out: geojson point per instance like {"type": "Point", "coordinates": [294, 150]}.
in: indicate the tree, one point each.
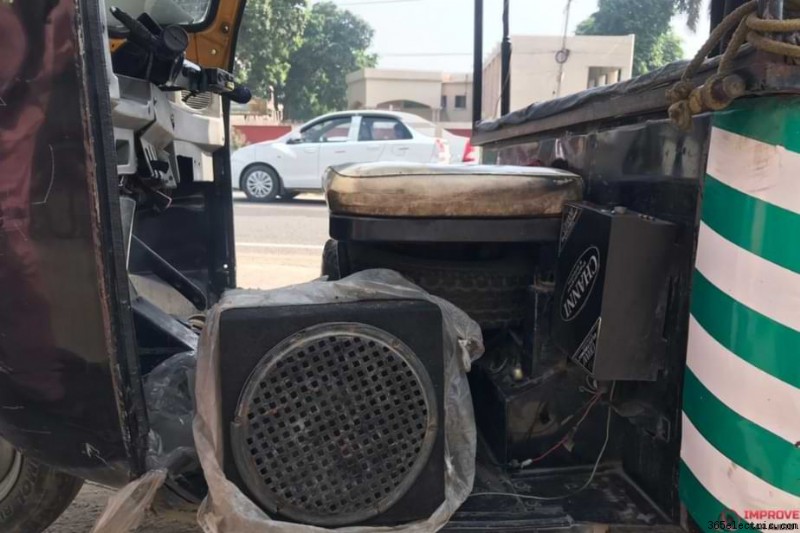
{"type": "Point", "coordinates": [334, 44]}
{"type": "Point", "coordinates": [656, 44]}
{"type": "Point", "coordinates": [666, 50]}
{"type": "Point", "coordinates": [271, 31]}
{"type": "Point", "coordinates": [692, 10]}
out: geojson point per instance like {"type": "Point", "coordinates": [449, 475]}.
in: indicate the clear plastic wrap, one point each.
{"type": "Point", "coordinates": [229, 510]}
{"type": "Point", "coordinates": [171, 407]}
{"type": "Point", "coordinates": [169, 395]}
{"type": "Point", "coordinates": [125, 510]}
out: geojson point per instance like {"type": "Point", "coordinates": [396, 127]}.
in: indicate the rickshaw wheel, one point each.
{"type": "Point", "coordinates": [32, 495]}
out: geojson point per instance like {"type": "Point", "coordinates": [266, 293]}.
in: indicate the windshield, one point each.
{"type": "Point", "coordinates": [165, 12]}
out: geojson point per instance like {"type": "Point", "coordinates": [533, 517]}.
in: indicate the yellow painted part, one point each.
{"type": "Point", "coordinates": [213, 46]}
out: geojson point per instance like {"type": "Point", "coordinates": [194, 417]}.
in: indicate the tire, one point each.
{"type": "Point", "coordinates": [330, 260]}
{"type": "Point", "coordinates": [493, 292]}
{"type": "Point", "coordinates": [260, 183]}
{"type": "Point", "coordinates": [33, 494]}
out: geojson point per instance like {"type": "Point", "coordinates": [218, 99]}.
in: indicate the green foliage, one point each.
{"type": "Point", "coordinates": [692, 9]}
{"type": "Point", "coordinates": [656, 44]}
{"type": "Point", "coordinates": [271, 31]}
{"type": "Point", "coordinates": [666, 50]}
{"type": "Point", "coordinates": [334, 44]}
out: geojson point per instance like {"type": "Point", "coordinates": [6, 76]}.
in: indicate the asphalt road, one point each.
{"type": "Point", "coordinates": [299, 225]}
{"type": "Point", "coordinates": [277, 244]}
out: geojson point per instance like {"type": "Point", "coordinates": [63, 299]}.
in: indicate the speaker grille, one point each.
{"type": "Point", "coordinates": [197, 101]}
{"type": "Point", "coordinates": [334, 424]}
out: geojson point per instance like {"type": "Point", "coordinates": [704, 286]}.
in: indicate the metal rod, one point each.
{"type": "Point", "coordinates": [505, 67]}
{"type": "Point", "coordinates": [771, 9]}
{"type": "Point", "coordinates": [477, 67]}
{"type": "Point", "coordinates": [726, 6]}
{"type": "Point", "coordinates": [563, 51]}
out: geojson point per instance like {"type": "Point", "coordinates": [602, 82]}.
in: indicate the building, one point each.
{"type": "Point", "coordinates": [541, 71]}
{"type": "Point", "coordinates": [436, 96]}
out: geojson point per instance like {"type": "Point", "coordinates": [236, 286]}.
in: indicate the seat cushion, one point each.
{"type": "Point", "coordinates": [443, 191]}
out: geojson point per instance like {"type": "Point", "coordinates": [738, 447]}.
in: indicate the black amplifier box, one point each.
{"type": "Point", "coordinates": [611, 289]}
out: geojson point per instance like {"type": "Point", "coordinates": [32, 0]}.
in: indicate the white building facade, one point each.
{"type": "Point", "coordinates": [436, 96]}
{"type": "Point", "coordinates": [541, 71]}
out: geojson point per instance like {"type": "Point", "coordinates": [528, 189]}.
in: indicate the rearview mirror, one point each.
{"type": "Point", "coordinates": [294, 140]}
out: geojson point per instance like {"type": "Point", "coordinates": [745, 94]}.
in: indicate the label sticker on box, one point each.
{"type": "Point", "coordinates": [571, 215]}
{"type": "Point", "coordinates": [585, 354]}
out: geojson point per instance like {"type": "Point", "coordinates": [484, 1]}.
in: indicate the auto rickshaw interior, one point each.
{"type": "Point", "coordinates": [572, 428]}
{"type": "Point", "coordinates": [578, 280]}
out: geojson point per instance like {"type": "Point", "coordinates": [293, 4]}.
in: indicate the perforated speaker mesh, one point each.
{"type": "Point", "coordinates": [334, 424]}
{"type": "Point", "coordinates": [197, 101]}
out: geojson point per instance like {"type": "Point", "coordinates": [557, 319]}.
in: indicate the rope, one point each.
{"type": "Point", "coordinates": [723, 87]}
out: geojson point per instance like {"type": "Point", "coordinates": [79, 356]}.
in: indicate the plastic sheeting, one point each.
{"type": "Point", "coordinates": [169, 395]}
{"type": "Point", "coordinates": [229, 510]}
{"type": "Point", "coordinates": [125, 510]}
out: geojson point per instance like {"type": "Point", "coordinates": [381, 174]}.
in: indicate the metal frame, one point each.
{"type": "Point", "coordinates": [477, 66]}
{"type": "Point", "coordinates": [439, 230]}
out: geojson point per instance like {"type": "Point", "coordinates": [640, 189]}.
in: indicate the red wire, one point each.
{"type": "Point", "coordinates": [560, 443]}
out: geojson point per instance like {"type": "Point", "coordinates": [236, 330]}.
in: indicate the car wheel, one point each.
{"type": "Point", "coordinates": [32, 495]}
{"type": "Point", "coordinates": [260, 183]}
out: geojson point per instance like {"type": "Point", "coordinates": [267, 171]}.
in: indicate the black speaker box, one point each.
{"type": "Point", "coordinates": [334, 413]}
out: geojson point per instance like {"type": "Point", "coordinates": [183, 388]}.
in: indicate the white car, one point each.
{"type": "Point", "coordinates": [296, 162]}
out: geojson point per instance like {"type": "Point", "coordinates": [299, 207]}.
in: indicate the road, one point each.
{"type": "Point", "coordinates": [281, 243]}
{"type": "Point", "coordinates": [276, 245]}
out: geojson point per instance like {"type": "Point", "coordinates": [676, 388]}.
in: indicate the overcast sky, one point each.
{"type": "Point", "coordinates": [409, 32]}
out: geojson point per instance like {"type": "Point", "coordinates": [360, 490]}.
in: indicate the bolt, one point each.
{"type": "Point", "coordinates": [719, 93]}
{"type": "Point", "coordinates": [733, 86]}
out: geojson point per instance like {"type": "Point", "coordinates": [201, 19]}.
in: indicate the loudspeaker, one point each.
{"type": "Point", "coordinates": [333, 413]}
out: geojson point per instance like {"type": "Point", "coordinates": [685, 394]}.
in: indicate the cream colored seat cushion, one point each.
{"type": "Point", "coordinates": [443, 191]}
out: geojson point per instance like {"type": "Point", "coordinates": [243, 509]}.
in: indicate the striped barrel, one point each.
{"type": "Point", "coordinates": [740, 449]}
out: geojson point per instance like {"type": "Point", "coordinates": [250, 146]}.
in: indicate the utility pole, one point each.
{"type": "Point", "coordinates": [477, 66]}
{"type": "Point", "coordinates": [563, 55]}
{"type": "Point", "coordinates": [505, 66]}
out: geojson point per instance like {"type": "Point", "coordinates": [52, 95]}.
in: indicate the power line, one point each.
{"type": "Point", "coordinates": [426, 54]}
{"type": "Point", "coordinates": [445, 54]}
{"type": "Point", "coordinates": [377, 2]}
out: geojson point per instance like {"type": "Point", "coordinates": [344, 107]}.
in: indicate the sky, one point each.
{"type": "Point", "coordinates": [437, 34]}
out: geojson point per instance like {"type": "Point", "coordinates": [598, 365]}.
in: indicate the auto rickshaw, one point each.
{"type": "Point", "coordinates": [594, 330]}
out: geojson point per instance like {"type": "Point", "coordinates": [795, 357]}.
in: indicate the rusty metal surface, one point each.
{"type": "Point", "coordinates": [654, 168]}
{"type": "Point", "coordinates": [449, 191]}
{"type": "Point", "coordinates": [66, 389]}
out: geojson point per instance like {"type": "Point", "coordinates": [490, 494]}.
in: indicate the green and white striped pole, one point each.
{"type": "Point", "coordinates": [740, 451]}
